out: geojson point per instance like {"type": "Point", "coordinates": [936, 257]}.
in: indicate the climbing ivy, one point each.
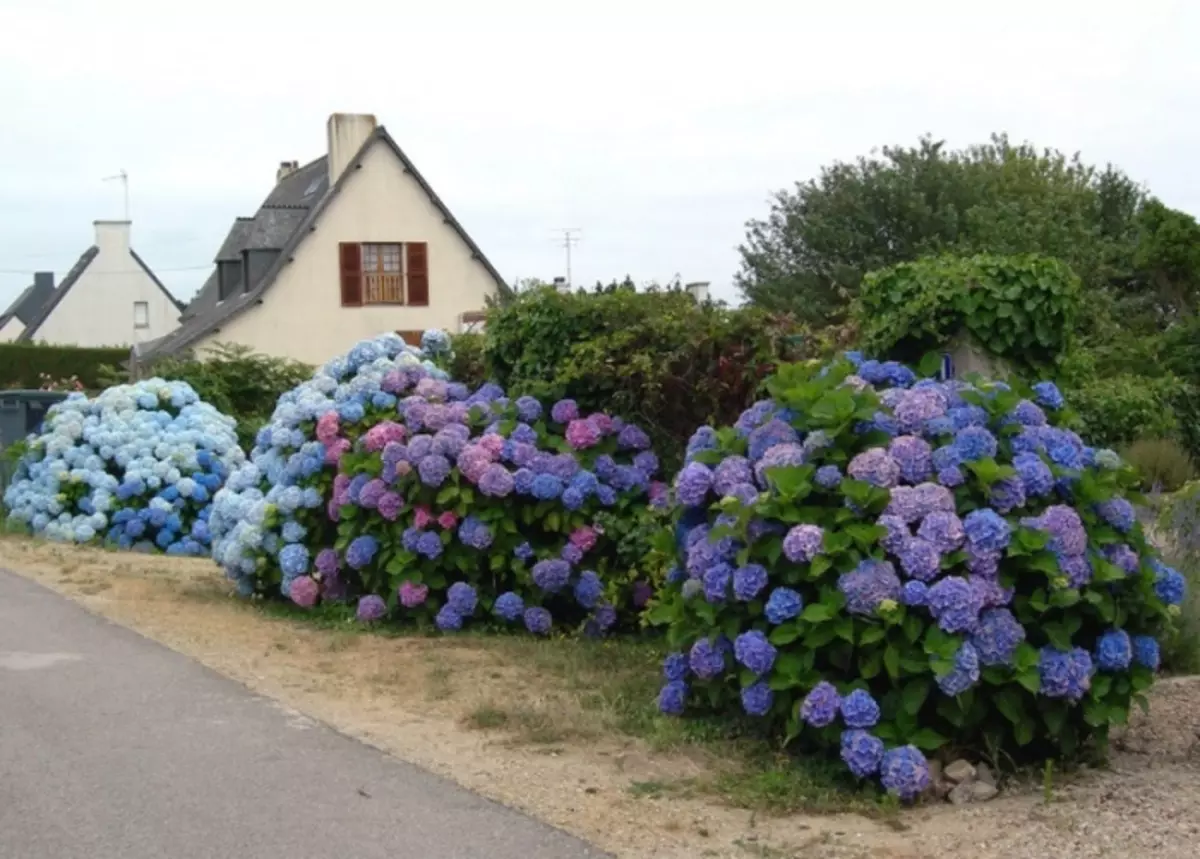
{"type": "Point", "coordinates": [1020, 308]}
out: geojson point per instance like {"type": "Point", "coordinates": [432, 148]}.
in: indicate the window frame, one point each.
{"type": "Point", "coordinates": [144, 305]}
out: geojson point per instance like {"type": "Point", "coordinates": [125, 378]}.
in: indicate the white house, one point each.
{"type": "Point", "coordinates": [348, 246]}
{"type": "Point", "coordinates": [110, 297]}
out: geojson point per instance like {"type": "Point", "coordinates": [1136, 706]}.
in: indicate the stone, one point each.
{"type": "Point", "coordinates": [972, 791]}
{"type": "Point", "coordinates": [984, 774]}
{"type": "Point", "coordinates": [960, 771]}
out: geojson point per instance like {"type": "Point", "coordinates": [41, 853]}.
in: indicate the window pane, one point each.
{"type": "Point", "coordinates": [141, 314]}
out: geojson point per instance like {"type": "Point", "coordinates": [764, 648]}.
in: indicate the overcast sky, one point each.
{"type": "Point", "coordinates": [654, 128]}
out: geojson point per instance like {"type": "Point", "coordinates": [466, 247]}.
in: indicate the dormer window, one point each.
{"type": "Point", "coordinates": [229, 279]}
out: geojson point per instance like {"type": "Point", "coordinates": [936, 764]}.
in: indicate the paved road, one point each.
{"type": "Point", "coordinates": [112, 747]}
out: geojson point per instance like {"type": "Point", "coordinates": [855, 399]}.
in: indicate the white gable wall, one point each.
{"type": "Point", "coordinates": [98, 308]}
{"type": "Point", "coordinates": [301, 314]}
{"type": "Point", "coordinates": [11, 330]}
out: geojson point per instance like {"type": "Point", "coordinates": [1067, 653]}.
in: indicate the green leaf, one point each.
{"type": "Point", "coordinates": [1023, 732]}
{"type": "Point", "coordinates": [785, 633]}
{"type": "Point", "coordinates": [1008, 702]}
{"type": "Point", "coordinates": [891, 661]}
{"type": "Point", "coordinates": [872, 634]}
{"type": "Point", "coordinates": [927, 739]}
{"type": "Point", "coordinates": [914, 695]}
{"type": "Point", "coordinates": [870, 664]}
{"type": "Point", "coordinates": [1031, 680]}
{"type": "Point", "coordinates": [816, 613]}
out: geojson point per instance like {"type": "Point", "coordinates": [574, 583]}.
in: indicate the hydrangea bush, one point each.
{"type": "Point", "coordinates": [383, 482]}
{"type": "Point", "coordinates": [890, 566]}
{"type": "Point", "coordinates": [136, 467]}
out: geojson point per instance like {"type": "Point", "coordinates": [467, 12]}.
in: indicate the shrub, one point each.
{"type": "Point", "coordinates": [136, 466]}
{"type": "Point", "coordinates": [1117, 410]}
{"type": "Point", "coordinates": [934, 565]}
{"type": "Point", "coordinates": [382, 481]}
{"type": "Point", "coordinates": [236, 380]}
{"type": "Point", "coordinates": [30, 365]}
{"type": "Point", "coordinates": [1179, 534]}
{"type": "Point", "coordinates": [467, 364]}
{"type": "Point", "coordinates": [656, 357]}
{"type": "Point", "coordinates": [1162, 464]}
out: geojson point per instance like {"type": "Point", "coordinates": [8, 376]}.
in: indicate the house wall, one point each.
{"type": "Point", "coordinates": [301, 315]}
{"type": "Point", "coordinates": [11, 330]}
{"type": "Point", "coordinates": [98, 309]}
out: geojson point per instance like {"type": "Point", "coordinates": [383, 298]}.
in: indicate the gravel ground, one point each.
{"type": "Point", "coordinates": [1145, 804]}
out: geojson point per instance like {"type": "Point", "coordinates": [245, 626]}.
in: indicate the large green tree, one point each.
{"type": "Point", "coordinates": [810, 253]}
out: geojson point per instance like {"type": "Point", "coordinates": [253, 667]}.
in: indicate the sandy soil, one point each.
{"type": "Point", "coordinates": [412, 698]}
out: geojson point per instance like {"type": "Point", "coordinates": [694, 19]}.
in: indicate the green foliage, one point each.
{"type": "Point", "coordinates": [656, 357]}
{"type": "Point", "coordinates": [467, 364]}
{"type": "Point", "coordinates": [898, 652]}
{"type": "Point", "coordinates": [236, 380]}
{"type": "Point", "coordinates": [26, 365]}
{"type": "Point", "coordinates": [1118, 409]}
{"type": "Point", "coordinates": [1020, 308]}
{"type": "Point", "coordinates": [1179, 532]}
{"type": "Point", "coordinates": [1166, 260]}
{"type": "Point", "coordinates": [1161, 463]}
{"type": "Point", "coordinates": [811, 252]}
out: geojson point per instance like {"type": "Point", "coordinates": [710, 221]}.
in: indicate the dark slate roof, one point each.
{"type": "Point", "coordinates": [26, 305]}
{"type": "Point", "coordinates": [69, 281]}
{"type": "Point", "coordinates": [296, 203]}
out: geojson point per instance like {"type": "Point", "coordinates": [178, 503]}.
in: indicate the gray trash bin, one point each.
{"type": "Point", "coordinates": [22, 412]}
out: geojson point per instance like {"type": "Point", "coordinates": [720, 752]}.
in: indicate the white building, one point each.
{"type": "Point", "coordinates": [110, 297]}
{"type": "Point", "coordinates": [348, 246]}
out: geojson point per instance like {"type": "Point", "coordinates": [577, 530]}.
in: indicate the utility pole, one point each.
{"type": "Point", "coordinates": [570, 238]}
{"type": "Point", "coordinates": [123, 177]}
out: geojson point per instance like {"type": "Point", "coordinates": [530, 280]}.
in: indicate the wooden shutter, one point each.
{"type": "Point", "coordinates": [350, 259]}
{"type": "Point", "coordinates": [412, 338]}
{"type": "Point", "coordinates": [418, 273]}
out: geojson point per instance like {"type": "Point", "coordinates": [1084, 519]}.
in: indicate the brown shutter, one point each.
{"type": "Point", "coordinates": [418, 273]}
{"type": "Point", "coordinates": [412, 338]}
{"type": "Point", "coordinates": [350, 258]}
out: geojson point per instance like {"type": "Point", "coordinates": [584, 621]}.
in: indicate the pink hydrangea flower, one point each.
{"type": "Point", "coordinates": [422, 517]}
{"type": "Point", "coordinates": [602, 422]}
{"type": "Point", "coordinates": [493, 444]}
{"type": "Point", "coordinates": [473, 462]}
{"type": "Point", "coordinates": [413, 594]}
{"type": "Point", "coordinates": [304, 591]}
{"type": "Point", "coordinates": [582, 434]}
{"type": "Point", "coordinates": [327, 428]}
{"type": "Point", "coordinates": [403, 468]}
{"type": "Point", "coordinates": [378, 436]}
{"type": "Point", "coordinates": [447, 520]}
{"type": "Point", "coordinates": [335, 449]}
{"type": "Point", "coordinates": [333, 510]}
{"type": "Point", "coordinates": [584, 538]}
{"type": "Point", "coordinates": [341, 488]}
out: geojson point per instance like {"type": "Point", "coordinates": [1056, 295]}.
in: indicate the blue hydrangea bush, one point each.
{"type": "Point", "coordinates": [892, 567]}
{"type": "Point", "coordinates": [382, 482]}
{"type": "Point", "coordinates": [135, 467]}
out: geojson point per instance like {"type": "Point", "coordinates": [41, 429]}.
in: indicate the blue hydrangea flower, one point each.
{"type": "Point", "coordinates": [828, 477]}
{"type": "Point", "coordinates": [1146, 651]}
{"type": "Point", "coordinates": [964, 674]}
{"type": "Point", "coordinates": [707, 660]}
{"type": "Point", "coordinates": [672, 698]}
{"type": "Point", "coordinates": [462, 598]}
{"type": "Point", "coordinates": [859, 710]}
{"type": "Point", "coordinates": [916, 593]}
{"type": "Point", "coordinates": [997, 637]}
{"type": "Point", "coordinates": [821, 705]}
{"type": "Point", "coordinates": [749, 581]}
{"type": "Point", "coordinates": [975, 443]}
{"type": "Point", "coordinates": [692, 484]}
{"type": "Point", "coordinates": [1169, 585]}
{"type": "Point", "coordinates": [905, 772]}
{"type": "Point", "coordinates": [955, 604]}
{"type": "Point", "coordinates": [1114, 651]}
{"type": "Point", "coordinates": [753, 650]}
{"type": "Point", "coordinates": [783, 605]}
{"type": "Point", "coordinates": [551, 575]}
{"type": "Point", "coordinates": [508, 606]}
{"type": "Point", "coordinates": [675, 666]}
{"type": "Point", "coordinates": [987, 530]}
{"type": "Point", "coordinates": [1048, 395]}
{"type": "Point", "coordinates": [538, 620]}
{"type": "Point", "coordinates": [869, 585]}
{"type": "Point", "coordinates": [1065, 674]}
{"type": "Point", "coordinates": [1034, 473]}
{"type": "Point", "coordinates": [361, 550]}
{"type": "Point", "coordinates": [293, 560]}
{"type": "Point", "coordinates": [920, 559]}
{"type": "Point", "coordinates": [757, 698]}
{"type": "Point", "coordinates": [862, 752]}
{"type": "Point", "coordinates": [588, 589]}
{"type": "Point", "coordinates": [448, 620]}
{"type": "Point", "coordinates": [803, 543]}
{"type": "Point", "coordinates": [716, 581]}
{"type": "Point", "coordinates": [1119, 513]}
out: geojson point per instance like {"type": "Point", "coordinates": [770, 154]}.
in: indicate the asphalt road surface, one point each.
{"type": "Point", "coordinates": [113, 747]}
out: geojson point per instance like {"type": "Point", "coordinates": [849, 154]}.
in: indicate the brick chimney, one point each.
{"type": "Point", "coordinates": [347, 132]}
{"type": "Point", "coordinates": [112, 236]}
{"type": "Point", "coordinates": [286, 168]}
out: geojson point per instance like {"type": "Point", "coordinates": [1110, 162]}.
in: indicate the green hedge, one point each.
{"type": "Point", "coordinates": [23, 364]}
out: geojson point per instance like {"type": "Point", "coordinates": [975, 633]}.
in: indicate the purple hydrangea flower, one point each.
{"type": "Point", "coordinates": [647, 463]}
{"type": "Point", "coordinates": [749, 581]}
{"type": "Point", "coordinates": [370, 608]}
{"type": "Point", "coordinates": [875, 466]}
{"type": "Point", "coordinates": [1124, 557]}
{"type": "Point", "coordinates": [918, 406]}
{"type": "Point", "coordinates": [528, 409]}
{"type": "Point", "coordinates": [975, 443]}
{"type": "Point", "coordinates": [774, 432]}
{"type": "Point", "coordinates": [433, 469]}
{"type": "Point", "coordinates": [943, 529]}
{"type": "Point", "coordinates": [862, 752]}
{"type": "Point", "coordinates": [897, 533]}
{"type": "Point", "coordinates": [951, 477]}
{"type": "Point", "coordinates": [462, 598]}
{"type": "Point", "coordinates": [1029, 414]}
{"type": "Point", "coordinates": [692, 484]}
{"type": "Point", "coordinates": [716, 581]}
{"type": "Point", "coordinates": [859, 710]}
{"type": "Point", "coordinates": [1036, 476]}
{"type": "Point", "coordinates": [997, 637]}
{"type": "Point", "coordinates": [783, 605]}
{"type": "Point", "coordinates": [753, 650]}
{"type": "Point", "coordinates": [675, 666]}
{"type": "Point", "coordinates": [632, 437]}
{"type": "Point", "coordinates": [327, 563]}
{"type": "Point", "coordinates": [757, 698]}
{"type": "Point", "coordinates": [475, 533]}
{"type": "Point", "coordinates": [707, 660]}
{"type": "Point", "coordinates": [868, 585]}
{"type": "Point", "coordinates": [524, 552]}
{"type": "Point", "coordinates": [786, 455]}
{"type": "Point", "coordinates": [964, 674]}
{"type": "Point", "coordinates": [508, 606]}
{"type": "Point", "coordinates": [496, 481]}
{"type": "Point", "coordinates": [1077, 569]}
{"type": "Point", "coordinates": [821, 705]}
{"type": "Point", "coordinates": [572, 554]}
{"type": "Point", "coordinates": [828, 477]}
{"type": "Point", "coordinates": [920, 559]}
{"type": "Point", "coordinates": [955, 604]}
{"type": "Point", "coordinates": [803, 543]}
{"type": "Point", "coordinates": [588, 589]}
{"type": "Point", "coordinates": [1114, 651]}
{"type": "Point", "coordinates": [538, 620]}
{"type": "Point", "coordinates": [361, 550]}
{"type": "Point", "coordinates": [1119, 513]}
{"type": "Point", "coordinates": [905, 772]}
{"type": "Point", "coordinates": [448, 619]}
{"type": "Point", "coordinates": [564, 411]}
{"type": "Point", "coordinates": [915, 457]}
{"type": "Point", "coordinates": [1008, 494]}
{"type": "Point", "coordinates": [429, 545]}
{"type": "Point", "coordinates": [732, 471]}
{"type": "Point", "coordinates": [1062, 523]}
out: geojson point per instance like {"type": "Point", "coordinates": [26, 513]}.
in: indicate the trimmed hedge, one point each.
{"type": "Point", "coordinates": [22, 364]}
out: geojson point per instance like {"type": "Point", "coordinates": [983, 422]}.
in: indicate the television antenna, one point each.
{"type": "Point", "coordinates": [570, 238]}
{"type": "Point", "coordinates": [123, 178]}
